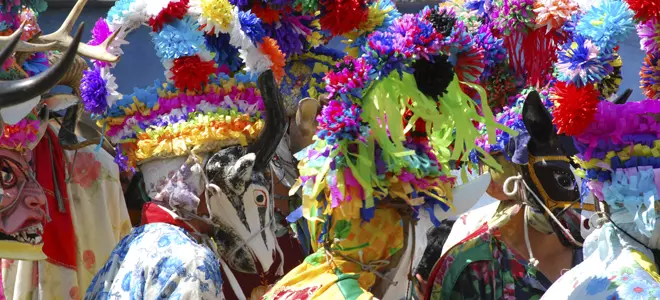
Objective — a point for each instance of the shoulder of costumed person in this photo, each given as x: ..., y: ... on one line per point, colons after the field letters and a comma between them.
x: 392, y: 124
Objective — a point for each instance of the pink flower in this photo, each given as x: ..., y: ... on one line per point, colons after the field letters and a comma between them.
x: 89, y: 259
x: 86, y: 170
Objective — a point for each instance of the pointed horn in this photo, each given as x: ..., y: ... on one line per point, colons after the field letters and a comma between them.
x: 264, y: 147
x: 623, y: 98
x: 18, y: 91
x: 9, y: 49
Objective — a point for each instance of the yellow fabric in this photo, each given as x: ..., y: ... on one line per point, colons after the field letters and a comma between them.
x: 646, y: 263
x: 369, y: 242
x: 100, y: 219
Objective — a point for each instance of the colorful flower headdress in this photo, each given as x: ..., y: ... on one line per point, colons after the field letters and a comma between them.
x: 212, y: 51
x: 587, y: 68
x: 617, y: 144
x: 387, y: 135
x: 24, y: 134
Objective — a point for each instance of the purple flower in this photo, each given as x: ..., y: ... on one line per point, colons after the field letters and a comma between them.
x: 93, y: 91
x: 649, y: 34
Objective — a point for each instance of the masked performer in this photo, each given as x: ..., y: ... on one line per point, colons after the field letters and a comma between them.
x: 380, y: 159
x: 617, y: 153
x: 530, y: 241
x: 203, y: 142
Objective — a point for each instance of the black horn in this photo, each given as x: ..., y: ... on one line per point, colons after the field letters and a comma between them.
x: 264, y: 147
x: 18, y: 91
x: 7, y: 52
x: 624, y: 97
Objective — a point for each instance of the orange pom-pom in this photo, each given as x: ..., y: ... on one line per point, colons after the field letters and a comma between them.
x: 574, y: 107
x: 269, y: 47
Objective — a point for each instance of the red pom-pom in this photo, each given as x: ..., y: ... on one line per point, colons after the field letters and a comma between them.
x: 190, y: 72
x: 342, y: 16
x: 645, y: 9
x: 173, y: 11
x: 574, y: 107
x: 267, y: 15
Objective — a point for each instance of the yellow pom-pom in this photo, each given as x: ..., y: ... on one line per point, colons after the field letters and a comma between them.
x: 217, y: 14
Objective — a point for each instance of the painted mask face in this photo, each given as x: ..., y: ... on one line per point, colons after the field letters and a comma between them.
x: 22, y: 203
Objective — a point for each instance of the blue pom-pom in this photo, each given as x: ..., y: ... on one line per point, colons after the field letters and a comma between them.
x: 607, y: 23
x: 178, y: 39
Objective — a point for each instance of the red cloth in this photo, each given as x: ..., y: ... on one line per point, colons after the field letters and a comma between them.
x: 59, y: 236
x: 152, y: 213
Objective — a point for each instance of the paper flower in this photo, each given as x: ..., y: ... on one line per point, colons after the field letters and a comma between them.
x: 514, y: 15
x: 251, y: 26
x: 581, y: 62
x: 649, y: 35
x: 36, y: 63
x: 93, y: 92
x: 388, y: 51
x: 607, y: 23
x: 190, y: 72
x: 442, y: 18
x: 419, y: 32
x: 494, y: 51
x: 216, y: 15
x: 225, y: 53
x: 178, y: 39
x: 270, y: 48
x: 574, y: 107
x: 350, y: 77
x: 553, y: 13
x: 173, y: 11
x: 342, y: 16
x: 645, y: 9
x: 19, y: 135
x: 339, y: 120
x: 650, y: 76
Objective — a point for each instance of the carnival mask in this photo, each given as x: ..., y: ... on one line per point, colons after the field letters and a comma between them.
x: 242, y: 204
x: 22, y: 213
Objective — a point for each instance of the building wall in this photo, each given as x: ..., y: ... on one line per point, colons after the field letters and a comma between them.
x: 139, y: 66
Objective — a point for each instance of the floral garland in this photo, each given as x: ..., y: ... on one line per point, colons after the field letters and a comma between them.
x: 384, y: 136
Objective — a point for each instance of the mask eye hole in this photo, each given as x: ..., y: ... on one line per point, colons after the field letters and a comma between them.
x: 260, y: 198
x: 564, y: 180
x: 7, y: 174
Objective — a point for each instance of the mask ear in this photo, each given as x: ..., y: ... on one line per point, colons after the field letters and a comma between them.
x: 230, y: 169
x: 13, y: 114
x: 537, y: 119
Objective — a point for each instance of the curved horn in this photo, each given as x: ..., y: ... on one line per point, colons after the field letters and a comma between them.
x: 9, y: 49
x: 624, y: 97
x: 264, y: 147
x: 18, y: 91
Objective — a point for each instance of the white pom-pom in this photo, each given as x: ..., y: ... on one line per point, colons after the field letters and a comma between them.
x: 255, y: 61
x: 154, y: 7
x: 110, y: 86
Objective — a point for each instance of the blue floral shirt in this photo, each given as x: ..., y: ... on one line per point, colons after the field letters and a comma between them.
x: 158, y: 261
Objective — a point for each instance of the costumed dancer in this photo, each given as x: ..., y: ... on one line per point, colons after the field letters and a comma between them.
x: 617, y: 154
x: 527, y: 243
x: 24, y: 211
x: 87, y: 213
x: 380, y: 159
x: 201, y: 142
